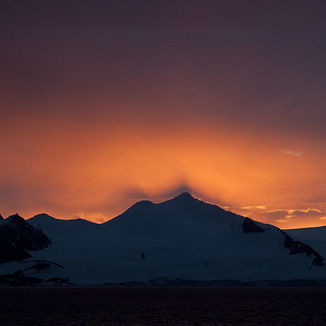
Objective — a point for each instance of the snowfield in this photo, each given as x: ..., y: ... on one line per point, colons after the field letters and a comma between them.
x: 182, y: 238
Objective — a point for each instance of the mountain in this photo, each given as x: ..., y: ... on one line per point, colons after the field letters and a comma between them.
x: 17, y: 240
x: 179, y: 239
x: 315, y: 236
x: 17, y: 237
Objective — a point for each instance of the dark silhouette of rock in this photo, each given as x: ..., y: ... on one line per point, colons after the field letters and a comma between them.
x: 61, y: 280
x: 17, y: 220
x: 17, y: 237
x: 8, y: 252
x: 41, y: 266
x: 1, y: 218
x: 19, y: 279
x: 249, y: 226
x: 297, y: 247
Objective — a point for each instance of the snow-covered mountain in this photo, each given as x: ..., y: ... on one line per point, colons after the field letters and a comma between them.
x: 17, y: 237
x: 182, y: 238
x: 316, y: 237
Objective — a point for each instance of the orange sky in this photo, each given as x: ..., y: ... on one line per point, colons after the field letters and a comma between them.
x: 98, y: 175
x: 99, y: 113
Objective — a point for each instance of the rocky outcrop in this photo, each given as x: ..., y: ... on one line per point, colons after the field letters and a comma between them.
x: 36, y: 272
x: 249, y: 226
x: 295, y: 247
x: 298, y: 247
x: 17, y: 237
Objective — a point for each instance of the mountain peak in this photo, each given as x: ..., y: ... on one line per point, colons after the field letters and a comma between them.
x: 43, y: 216
x: 140, y: 206
x: 184, y: 200
x: 184, y: 196
x: 17, y: 219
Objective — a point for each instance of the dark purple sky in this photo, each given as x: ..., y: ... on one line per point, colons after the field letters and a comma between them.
x: 104, y: 103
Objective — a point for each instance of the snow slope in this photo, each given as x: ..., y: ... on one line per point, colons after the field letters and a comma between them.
x: 316, y: 237
x: 182, y: 238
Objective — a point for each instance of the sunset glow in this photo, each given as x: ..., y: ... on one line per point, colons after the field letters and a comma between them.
x: 97, y: 114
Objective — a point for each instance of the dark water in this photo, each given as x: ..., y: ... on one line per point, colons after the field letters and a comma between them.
x: 162, y: 306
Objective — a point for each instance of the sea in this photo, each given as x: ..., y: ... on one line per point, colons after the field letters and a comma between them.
x: 132, y: 305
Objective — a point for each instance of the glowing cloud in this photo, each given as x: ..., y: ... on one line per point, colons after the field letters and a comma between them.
x: 254, y: 207
x: 291, y: 153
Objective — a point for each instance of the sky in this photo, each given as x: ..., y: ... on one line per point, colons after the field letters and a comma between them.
x: 106, y: 103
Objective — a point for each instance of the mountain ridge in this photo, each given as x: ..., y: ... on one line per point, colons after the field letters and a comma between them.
x: 182, y: 238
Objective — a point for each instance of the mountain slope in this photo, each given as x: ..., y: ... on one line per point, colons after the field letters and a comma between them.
x: 316, y: 237
x: 182, y: 238
x: 17, y: 237
x: 186, y: 232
